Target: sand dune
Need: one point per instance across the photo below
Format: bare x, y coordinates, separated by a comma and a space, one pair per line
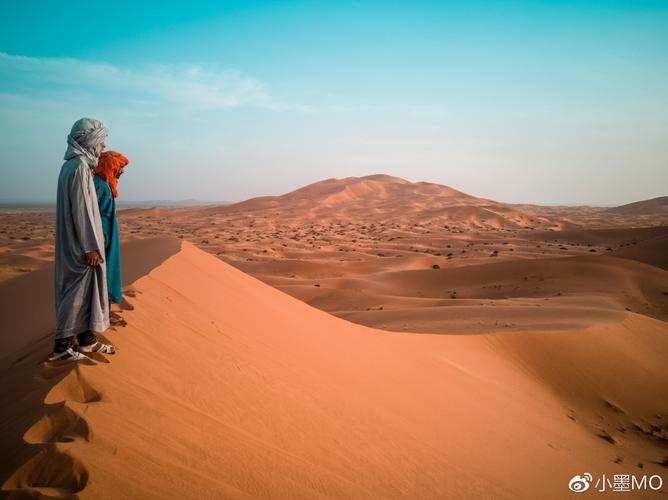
388, 198
644, 213
474, 349
242, 391
652, 251
653, 206
647, 244
518, 295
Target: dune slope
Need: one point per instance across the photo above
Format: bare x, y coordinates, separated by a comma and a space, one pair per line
224, 387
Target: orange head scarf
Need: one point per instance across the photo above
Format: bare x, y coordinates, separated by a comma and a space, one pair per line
108, 166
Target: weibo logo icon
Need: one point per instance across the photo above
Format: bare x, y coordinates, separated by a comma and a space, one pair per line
579, 483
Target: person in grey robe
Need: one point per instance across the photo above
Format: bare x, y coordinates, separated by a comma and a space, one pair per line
82, 306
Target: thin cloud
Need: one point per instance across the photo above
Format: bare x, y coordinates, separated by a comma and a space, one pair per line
191, 86
196, 87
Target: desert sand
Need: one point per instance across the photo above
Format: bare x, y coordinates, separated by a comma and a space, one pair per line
271, 352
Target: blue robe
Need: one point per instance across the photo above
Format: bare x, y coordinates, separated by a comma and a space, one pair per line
112, 247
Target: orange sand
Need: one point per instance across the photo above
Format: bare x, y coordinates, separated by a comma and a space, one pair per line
226, 387
356, 338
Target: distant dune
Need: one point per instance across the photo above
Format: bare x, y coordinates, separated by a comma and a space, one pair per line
389, 198
653, 206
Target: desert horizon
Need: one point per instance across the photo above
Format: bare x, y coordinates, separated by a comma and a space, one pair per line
189, 202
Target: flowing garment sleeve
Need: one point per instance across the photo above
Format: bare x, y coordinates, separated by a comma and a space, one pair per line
83, 207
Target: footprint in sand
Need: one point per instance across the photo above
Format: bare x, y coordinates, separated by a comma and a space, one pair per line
115, 317
125, 305
117, 320
55, 369
61, 425
74, 387
51, 472
131, 292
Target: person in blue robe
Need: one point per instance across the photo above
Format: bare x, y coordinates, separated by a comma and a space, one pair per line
110, 167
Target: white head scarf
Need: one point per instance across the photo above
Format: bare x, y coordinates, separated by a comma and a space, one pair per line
85, 140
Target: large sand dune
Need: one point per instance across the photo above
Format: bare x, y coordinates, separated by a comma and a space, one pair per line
383, 197
355, 338
224, 387
653, 206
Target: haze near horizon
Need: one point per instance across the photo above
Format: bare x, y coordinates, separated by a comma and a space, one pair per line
530, 102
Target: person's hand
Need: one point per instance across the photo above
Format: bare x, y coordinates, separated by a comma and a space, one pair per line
92, 259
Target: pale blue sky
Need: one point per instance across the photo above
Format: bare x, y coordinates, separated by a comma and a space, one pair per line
543, 102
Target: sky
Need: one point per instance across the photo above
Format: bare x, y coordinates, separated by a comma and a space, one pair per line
553, 102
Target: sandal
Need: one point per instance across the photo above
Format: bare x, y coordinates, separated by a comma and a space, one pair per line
68, 355
98, 347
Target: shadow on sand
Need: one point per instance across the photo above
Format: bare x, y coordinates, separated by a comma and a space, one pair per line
34, 462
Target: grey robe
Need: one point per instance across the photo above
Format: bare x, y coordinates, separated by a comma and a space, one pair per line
81, 290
